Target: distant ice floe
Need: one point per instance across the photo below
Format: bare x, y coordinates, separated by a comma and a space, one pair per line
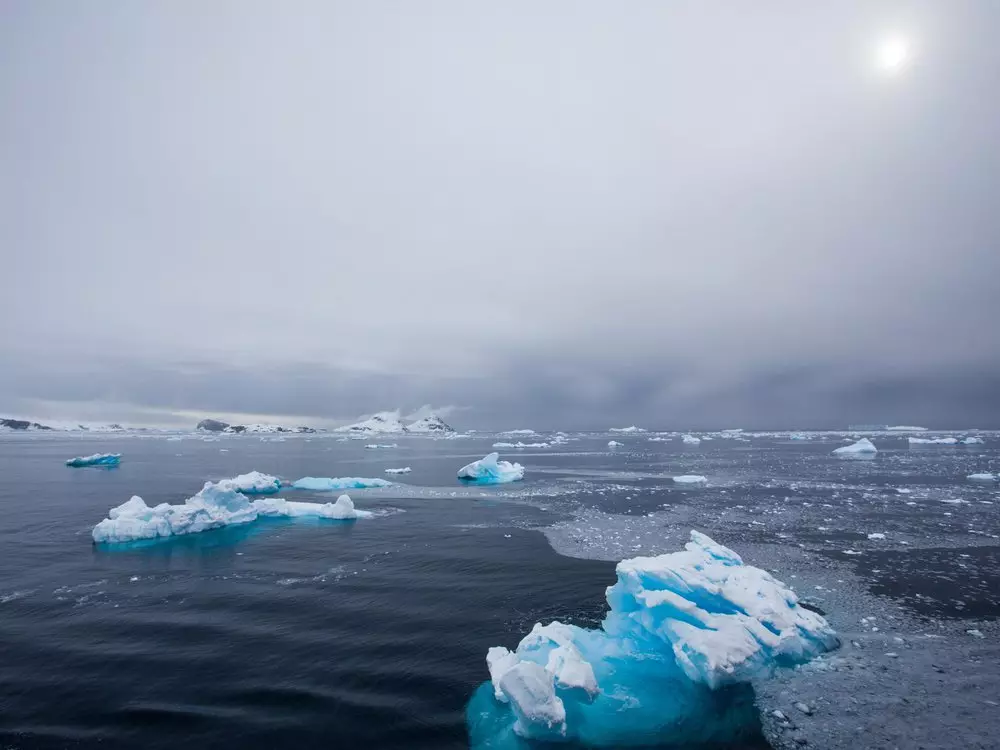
983, 477
691, 440
256, 483
615, 444
490, 470
519, 444
404, 470
375, 446
906, 428
932, 441
679, 627
658, 439
518, 432
631, 429
972, 440
691, 479
98, 459
334, 484
862, 446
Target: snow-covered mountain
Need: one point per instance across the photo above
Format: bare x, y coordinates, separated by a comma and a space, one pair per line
432, 423
383, 423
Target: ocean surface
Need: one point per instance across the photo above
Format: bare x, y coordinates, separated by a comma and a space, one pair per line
373, 633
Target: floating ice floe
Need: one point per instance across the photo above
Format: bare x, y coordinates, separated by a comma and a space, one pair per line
671, 664
658, 439
983, 477
404, 470
906, 428
631, 429
518, 432
381, 445
876, 536
519, 444
972, 440
334, 484
691, 440
615, 444
932, 441
256, 483
98, 459
691, 479
864, 445
277, 507
491, 470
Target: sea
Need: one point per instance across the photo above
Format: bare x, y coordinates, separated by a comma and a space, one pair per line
312, 633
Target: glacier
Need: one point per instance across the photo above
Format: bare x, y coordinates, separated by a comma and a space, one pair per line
333, 484
671, 664
864, 445
98, 459
256, 483
491, 470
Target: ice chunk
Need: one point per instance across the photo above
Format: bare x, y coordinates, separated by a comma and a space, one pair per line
972, 440
519, 444
906, 428
932, 441
985, 477
658, 439
691, 479
336, 484
633, 428
404, 470
876, 536
690, 440
671, 665
864, 445
342, 510
490, 470
256, 483
381, 445
518, 432
615, 444
98, 459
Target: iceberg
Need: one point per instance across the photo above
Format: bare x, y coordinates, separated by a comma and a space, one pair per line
691, 479
864, 445
381, 445
98, 459
519, 444
906, 428
684, 635
491, 470
518, 432
615, 444
932, 441
691, 440
334, 484
633, 428
658, 439
256, 483
983, 477
973, 441
404, 470
277, 507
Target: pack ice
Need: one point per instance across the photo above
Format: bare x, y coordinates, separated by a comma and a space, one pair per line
671, 664
98, 459
491, 470
864, 445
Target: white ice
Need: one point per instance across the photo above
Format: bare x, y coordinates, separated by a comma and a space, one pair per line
691, 479
615, 444
256, 483
341, 510
983, 477
691, 440
490, 470
864, 445
519, 444
633, 428
971, 440
381, 445
932, 441
404, 470
333, 484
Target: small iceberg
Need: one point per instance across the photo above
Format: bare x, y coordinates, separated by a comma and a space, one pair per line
973, 441
631, 429
381, 445
98, 459
983, 477
691, 440
615, 444
519, 444
491, 470
658, 440
256, 483
864, 445
932, 441
336, 484
342, 510
404, 470
671, 664
691, 479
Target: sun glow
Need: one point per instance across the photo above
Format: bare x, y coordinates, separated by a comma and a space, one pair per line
893, 54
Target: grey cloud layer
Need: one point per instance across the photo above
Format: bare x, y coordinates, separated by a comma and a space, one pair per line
567, 214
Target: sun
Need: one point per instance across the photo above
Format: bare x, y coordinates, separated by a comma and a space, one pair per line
893, 54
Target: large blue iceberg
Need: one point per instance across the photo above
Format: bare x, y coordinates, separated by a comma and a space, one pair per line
333, 484
98, 459
490, 470
671, 664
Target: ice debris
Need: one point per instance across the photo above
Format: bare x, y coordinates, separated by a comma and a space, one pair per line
691, 479
256, 483
490, 470
404, 470
671, 664
98, 459
334, 484
864, 445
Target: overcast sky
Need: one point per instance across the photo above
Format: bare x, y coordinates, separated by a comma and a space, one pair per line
559, 214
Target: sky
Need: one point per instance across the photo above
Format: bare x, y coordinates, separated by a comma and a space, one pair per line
567, 214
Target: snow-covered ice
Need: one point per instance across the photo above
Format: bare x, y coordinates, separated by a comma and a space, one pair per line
906, 428
491, 470
691, 479
334, 484
519, 444
864, 445
691, 440
983, 477
633, 428
932, 441
404, 470
679, 626
98, 459
342, 510
381, 445
615, 444
256, 483
972, 440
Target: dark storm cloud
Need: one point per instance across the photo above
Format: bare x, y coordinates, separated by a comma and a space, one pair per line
556, 215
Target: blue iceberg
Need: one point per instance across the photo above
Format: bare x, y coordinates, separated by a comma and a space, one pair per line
98, 459
333, 484
671, 664
490, 470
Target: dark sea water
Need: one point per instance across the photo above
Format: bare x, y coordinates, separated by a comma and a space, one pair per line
315, 633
